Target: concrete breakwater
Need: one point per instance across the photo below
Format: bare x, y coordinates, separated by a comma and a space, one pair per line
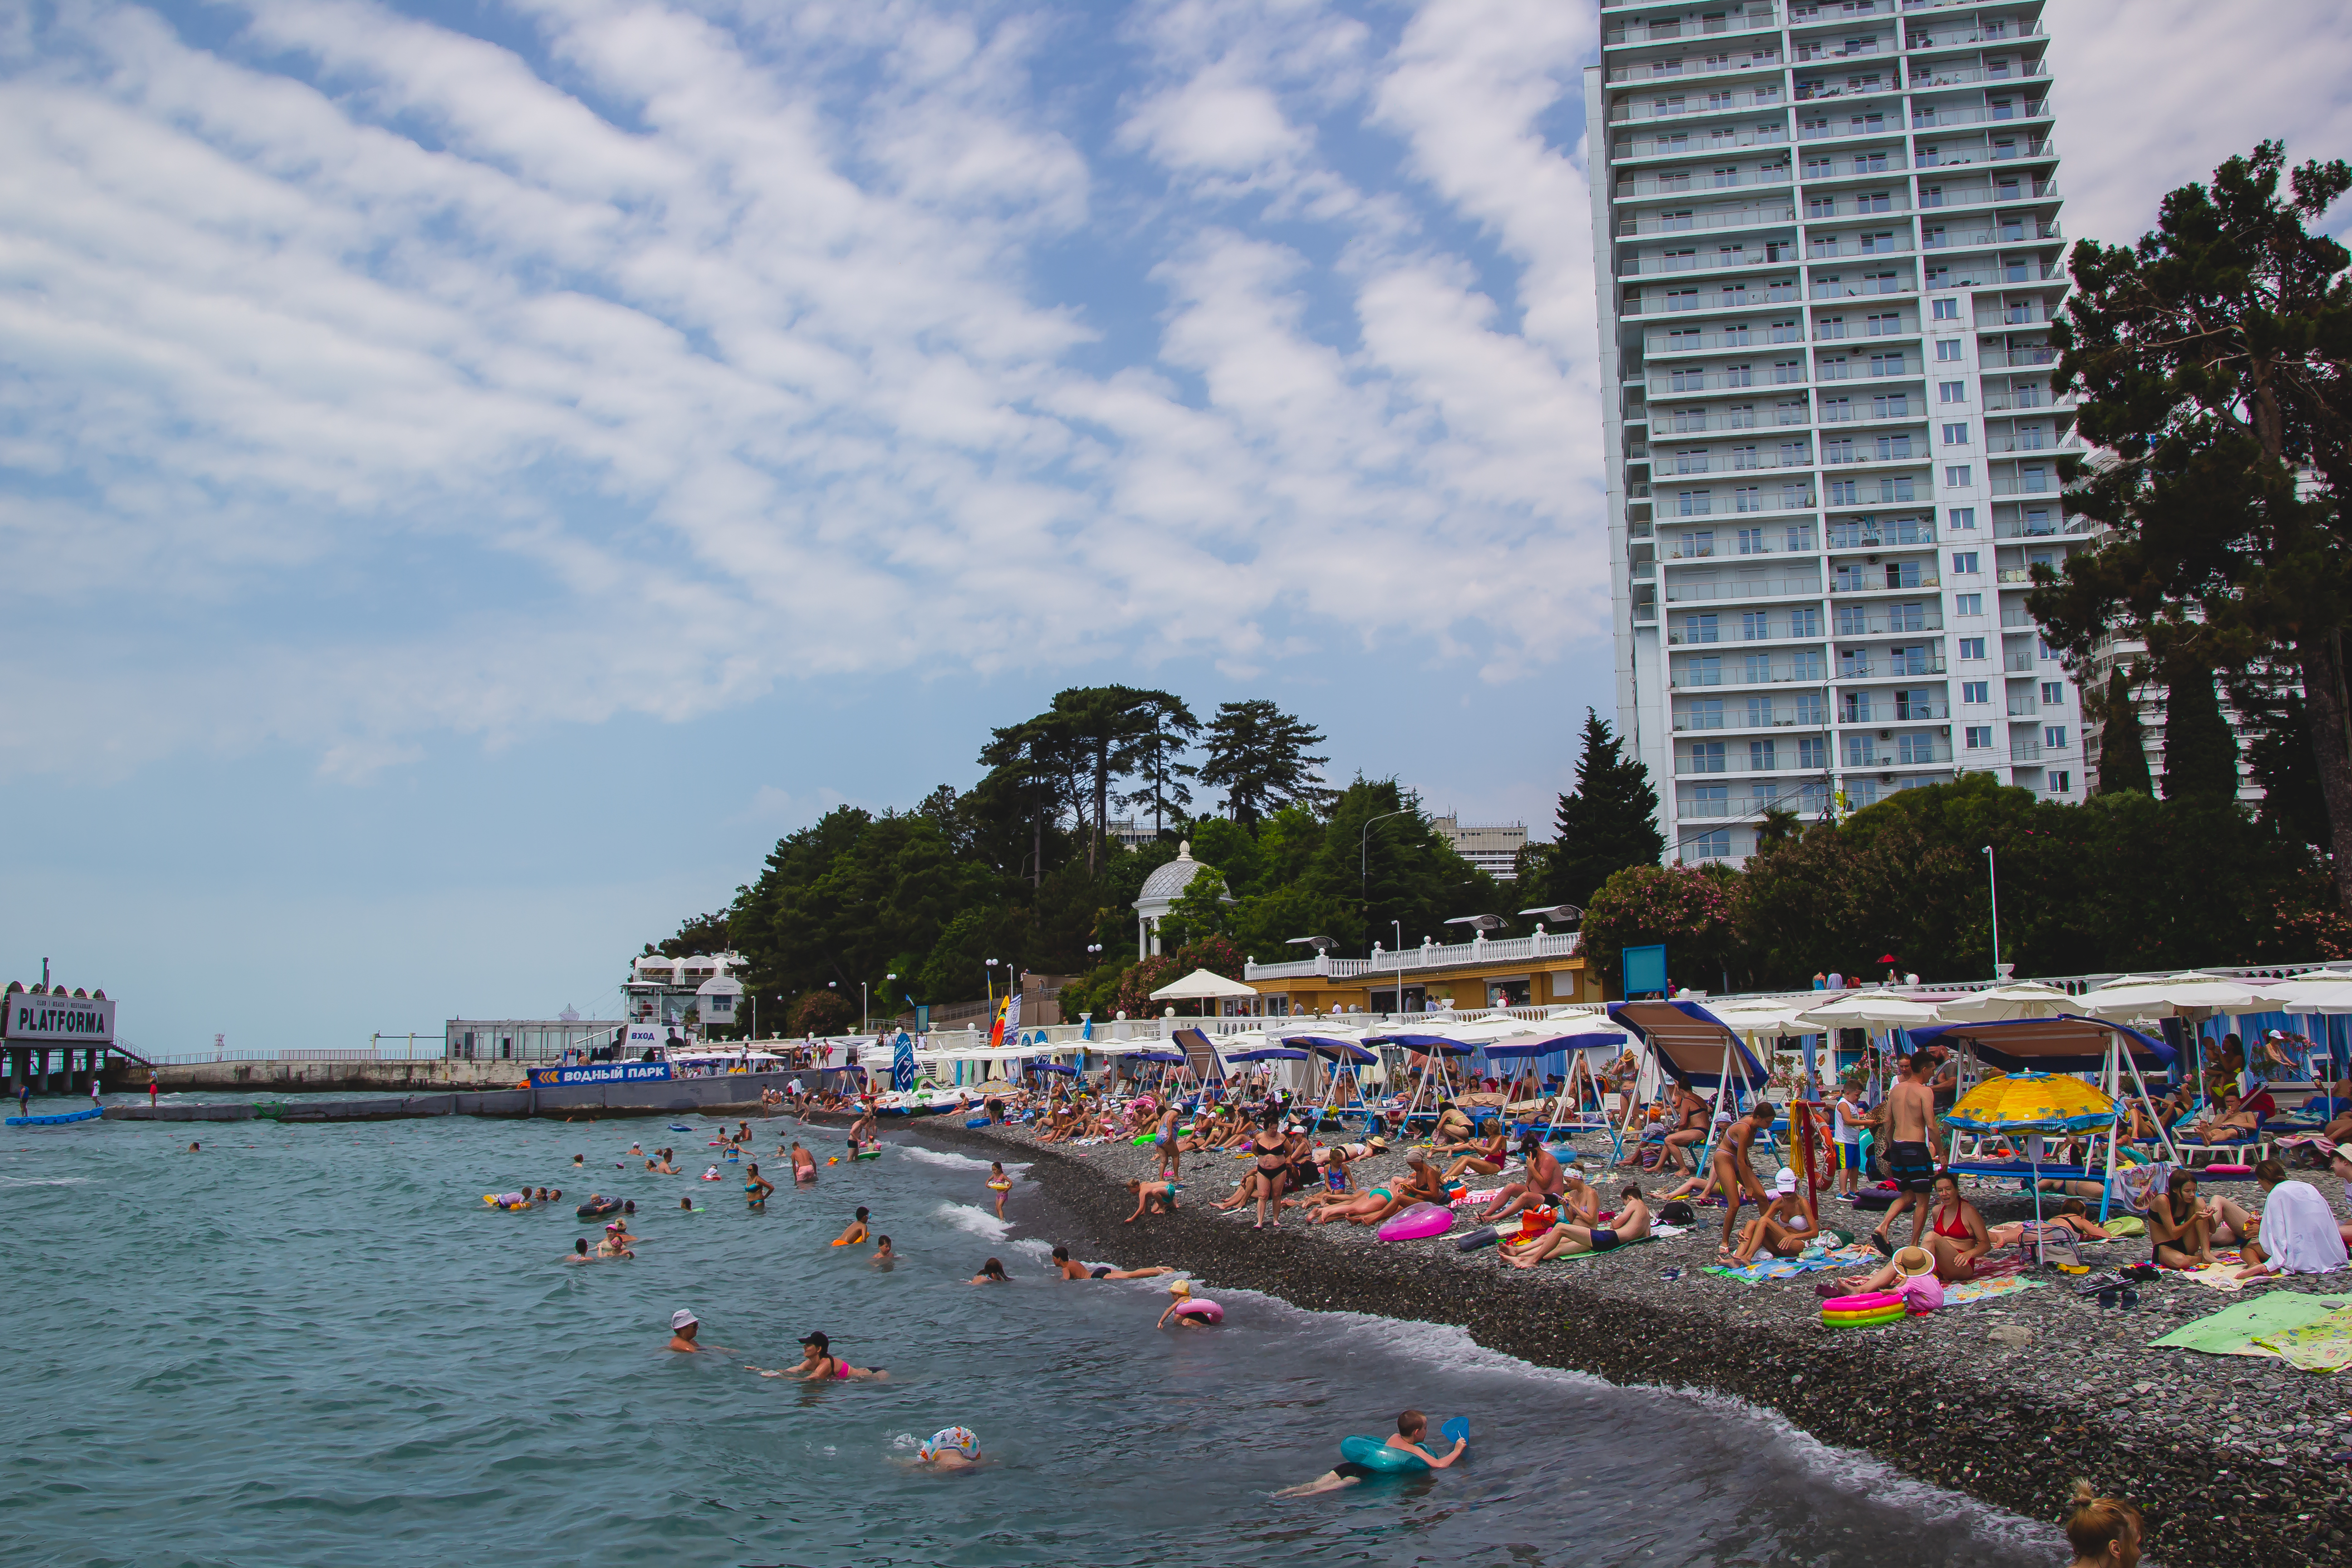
124, 1077
728, 1094
2008, 1408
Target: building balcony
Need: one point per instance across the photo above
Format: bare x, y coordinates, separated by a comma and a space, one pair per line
1908, 584
1898, 406
1976, 238
2026, 485
2032, 394
1892, 669
1744, 588
1634, 108
2061, 526
1701, 223
2036, 149
1763, 718
1835, 249
1738, 258
2012, 192
2015, 358
1734, 298
1792, 673
1886, 449
1676, 468
1887, 122
1989, 115
1923, 752
1926, 78
1960, 35
1682, 422
1683, 382
2022, 576
1858, 622
2017, 663
1862, 287
1833, 329
1694, 341
1886, 535
2008, 441
1624, 149
1694, 185
1661, 32
1684, 69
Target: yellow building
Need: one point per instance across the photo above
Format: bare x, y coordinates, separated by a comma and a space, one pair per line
1514, 971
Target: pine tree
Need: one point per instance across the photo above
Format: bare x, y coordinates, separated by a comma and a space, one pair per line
2200, 752
2122, 745
1609, 823
1258, 754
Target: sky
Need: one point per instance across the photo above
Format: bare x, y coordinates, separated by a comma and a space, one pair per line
473, 475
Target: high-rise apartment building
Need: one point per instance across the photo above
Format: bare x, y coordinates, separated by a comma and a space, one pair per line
1827, 256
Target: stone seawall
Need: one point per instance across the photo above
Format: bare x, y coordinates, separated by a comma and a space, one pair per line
316, 1078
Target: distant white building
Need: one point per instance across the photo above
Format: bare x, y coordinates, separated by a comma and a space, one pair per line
1160, 890
664, 988
1491, 846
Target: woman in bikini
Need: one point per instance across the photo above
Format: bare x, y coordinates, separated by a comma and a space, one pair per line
819, 1365
1690, 1127
1424, 1186
1957, 1234
1273, 1153
2179, 1227
1485, 1160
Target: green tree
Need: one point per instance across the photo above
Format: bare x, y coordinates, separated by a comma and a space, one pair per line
2123, 742
2200, 750
1690, 909
1611, 822
2210, 362
1779, 827
1158, 761
1259, 756
696, 934
2279, 756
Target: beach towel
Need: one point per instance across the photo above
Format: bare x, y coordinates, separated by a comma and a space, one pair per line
2323, 1345
1764, 1268
2233, 1329
1968, 1293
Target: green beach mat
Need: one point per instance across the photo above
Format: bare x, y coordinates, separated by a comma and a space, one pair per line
2232, 1330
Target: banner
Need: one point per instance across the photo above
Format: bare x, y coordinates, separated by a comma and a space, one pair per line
85, 1020
601, 1072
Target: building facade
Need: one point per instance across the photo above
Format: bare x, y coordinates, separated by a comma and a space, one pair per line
1827, 254
1491, 846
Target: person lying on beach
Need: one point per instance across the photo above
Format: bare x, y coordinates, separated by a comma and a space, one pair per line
991, 1273
1631, 1221
1072, 1269
1540, 1180
1422, 1185
2230, 1123
1783, 1226
1158, 1197
2074, 1215
1485, 1158
2177, 1226
855, 1234
819, 1365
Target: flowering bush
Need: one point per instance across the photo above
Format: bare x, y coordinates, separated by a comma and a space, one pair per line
1690, 909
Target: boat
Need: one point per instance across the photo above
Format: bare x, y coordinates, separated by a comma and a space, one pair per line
59, 1120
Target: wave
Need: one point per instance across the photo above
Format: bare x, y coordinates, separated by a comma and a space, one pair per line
950, 1161
978, 1221
43, 1180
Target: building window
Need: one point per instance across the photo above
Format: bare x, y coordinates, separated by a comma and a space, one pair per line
1947, 310
1962, 516
1706, 757
2053, 694
1755, 624
1979, 737
1805, 623
1956, 435
2062, 784
1707, 715
1714, 846
1694, 503
1975, 691
1812, 753
1948, 349
2053, 737
1955, 477
1972, 647
1951, 392
1968, 604
1699, 628
1759, 756
1964, 563
1748, 498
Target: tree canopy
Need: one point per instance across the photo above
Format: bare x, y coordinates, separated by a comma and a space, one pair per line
1608, 823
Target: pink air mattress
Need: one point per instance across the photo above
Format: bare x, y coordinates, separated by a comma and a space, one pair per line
1419, 1220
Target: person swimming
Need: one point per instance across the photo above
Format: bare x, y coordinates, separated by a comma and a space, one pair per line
579, 1253
882, 1253
999, 1183
1074, 1270
1190, 1311
991, 1273
819, 1365
855, 1234
950, 1449
683, 1327
1411, 1428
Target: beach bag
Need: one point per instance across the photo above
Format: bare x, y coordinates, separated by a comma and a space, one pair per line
1678, 1213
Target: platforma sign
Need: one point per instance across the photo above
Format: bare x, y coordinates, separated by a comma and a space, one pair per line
85, 1020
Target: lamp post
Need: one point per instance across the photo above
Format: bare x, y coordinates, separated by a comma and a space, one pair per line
1992, 879
1363, 849
1397, 929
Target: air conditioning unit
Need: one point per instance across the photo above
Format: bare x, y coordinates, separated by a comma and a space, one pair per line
1886, 735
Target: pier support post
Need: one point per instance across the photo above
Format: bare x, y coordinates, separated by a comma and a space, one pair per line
17, 1067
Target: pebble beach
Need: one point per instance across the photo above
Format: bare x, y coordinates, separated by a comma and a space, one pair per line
2232, 1458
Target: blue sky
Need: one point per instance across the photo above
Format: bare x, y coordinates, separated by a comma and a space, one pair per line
474, 476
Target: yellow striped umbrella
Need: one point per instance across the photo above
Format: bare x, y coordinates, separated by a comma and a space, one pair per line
2033, 1102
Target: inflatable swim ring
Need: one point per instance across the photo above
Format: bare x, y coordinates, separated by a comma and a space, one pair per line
1375, 1454
1873, 1301
711, 1174
1000, 1187
598, 1211
1419, 1220
1861, 1319
1207, 1312
679, 1127
874, 1153
506, 1200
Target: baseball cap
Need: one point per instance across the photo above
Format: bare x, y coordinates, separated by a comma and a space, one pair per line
682, 1318
1787, 1180
819, 1340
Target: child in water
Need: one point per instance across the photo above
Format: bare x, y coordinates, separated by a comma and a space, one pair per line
999, 1183
855, 1234
882, 1255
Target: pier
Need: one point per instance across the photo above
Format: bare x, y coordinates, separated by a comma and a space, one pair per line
727, 1094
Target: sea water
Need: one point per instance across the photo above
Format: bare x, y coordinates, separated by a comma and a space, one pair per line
317, 1344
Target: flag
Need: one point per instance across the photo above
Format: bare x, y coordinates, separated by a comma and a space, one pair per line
1013, 1018
1086, 1029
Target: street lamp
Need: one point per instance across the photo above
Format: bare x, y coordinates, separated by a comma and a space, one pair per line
1363, 847
1992, 879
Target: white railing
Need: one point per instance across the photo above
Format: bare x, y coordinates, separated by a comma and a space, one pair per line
1429, 955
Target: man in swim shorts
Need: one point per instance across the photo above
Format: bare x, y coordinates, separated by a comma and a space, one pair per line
804, 1163
1071, 1270
1909, 1106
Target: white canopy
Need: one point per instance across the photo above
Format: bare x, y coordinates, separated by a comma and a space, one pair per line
1877, 1008
1201, 986
1763, 1017
2183, 995
2322, 991
2019, 999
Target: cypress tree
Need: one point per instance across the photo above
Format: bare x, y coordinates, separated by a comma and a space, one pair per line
2200, 752
2123, 755
1609, 823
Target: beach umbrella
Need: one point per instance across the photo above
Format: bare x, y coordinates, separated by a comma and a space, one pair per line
2322, 991
1998, 1004
2033, 1102
1878, 1008
2190, 995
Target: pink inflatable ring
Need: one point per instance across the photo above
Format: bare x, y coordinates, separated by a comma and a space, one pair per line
1419, 1220
1207, 1312
1874, 1301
